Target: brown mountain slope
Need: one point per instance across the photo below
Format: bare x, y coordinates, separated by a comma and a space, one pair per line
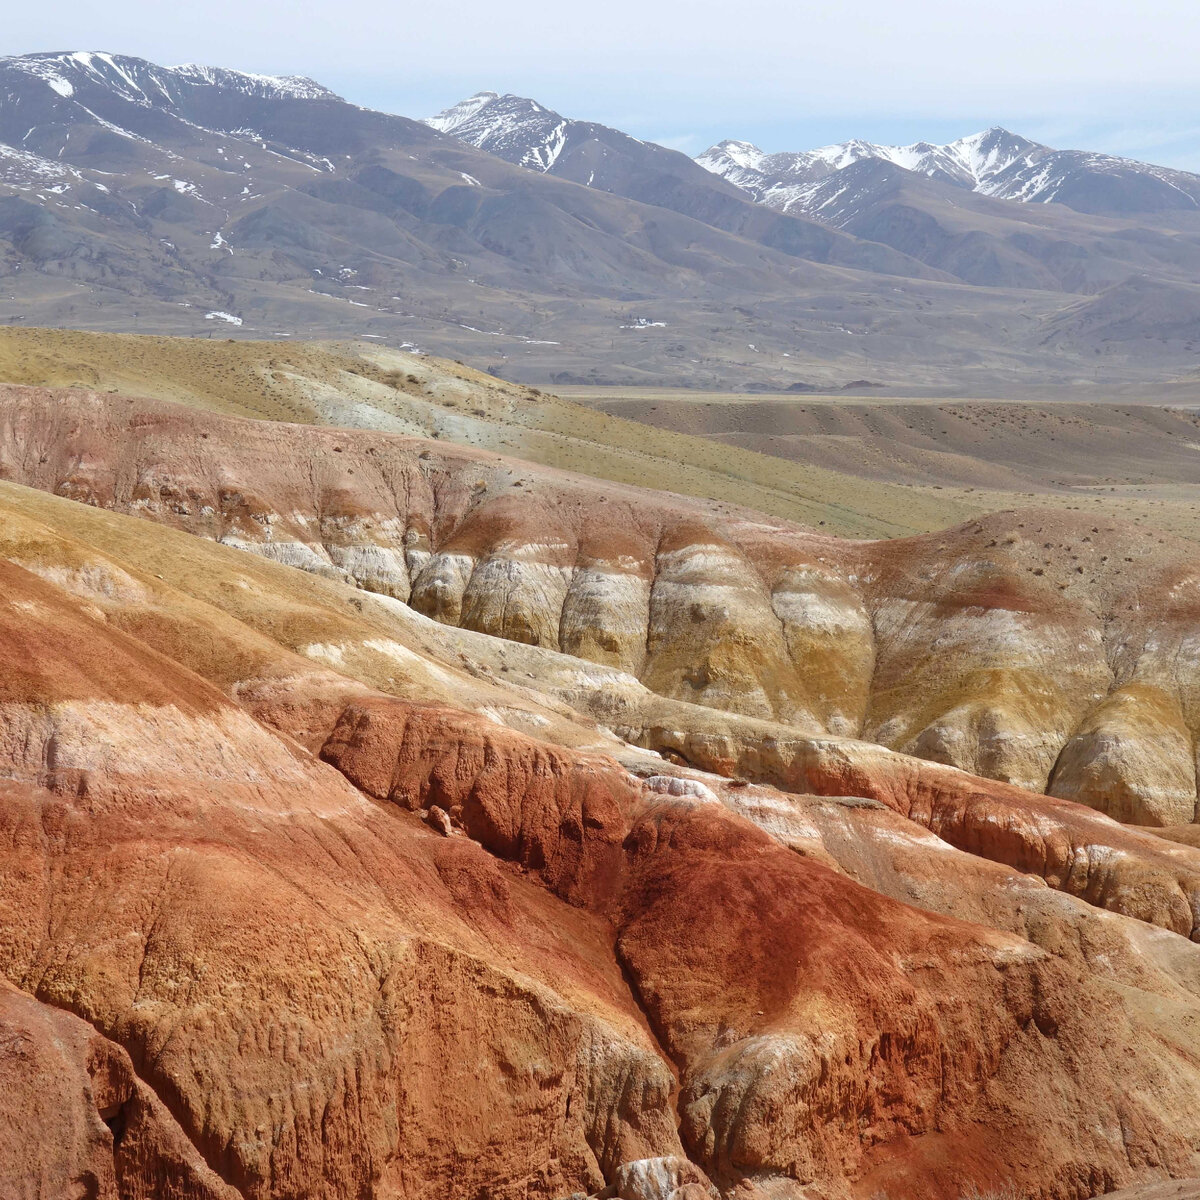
598, 981
198, 200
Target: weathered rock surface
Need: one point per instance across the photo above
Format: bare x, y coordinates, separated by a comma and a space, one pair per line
1033, 648
79, 1122
330, 999
772, 960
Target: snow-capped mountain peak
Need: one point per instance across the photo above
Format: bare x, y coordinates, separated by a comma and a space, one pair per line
987, 153
512, 127
450, 119
291, 87
745, 155
145, 83
969, 161
994, 162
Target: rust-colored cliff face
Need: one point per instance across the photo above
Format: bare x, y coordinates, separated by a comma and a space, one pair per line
303, 894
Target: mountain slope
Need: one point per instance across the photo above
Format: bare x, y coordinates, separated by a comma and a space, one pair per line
525, 133
189, 199
995, 243
109, 111
194, 200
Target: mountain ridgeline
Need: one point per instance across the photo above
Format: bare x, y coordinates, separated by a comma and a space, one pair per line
548, 250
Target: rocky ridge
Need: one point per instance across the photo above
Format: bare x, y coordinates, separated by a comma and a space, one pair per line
994, 162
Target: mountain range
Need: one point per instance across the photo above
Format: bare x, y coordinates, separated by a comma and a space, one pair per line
194, 199
993, 163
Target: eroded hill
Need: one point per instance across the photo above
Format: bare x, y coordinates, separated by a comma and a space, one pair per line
367, 387
1032, 647
292, 906
384, 815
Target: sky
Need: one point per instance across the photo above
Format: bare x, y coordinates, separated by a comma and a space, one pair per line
1112, 75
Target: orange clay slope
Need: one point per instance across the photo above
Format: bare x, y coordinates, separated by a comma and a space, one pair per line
1032, 647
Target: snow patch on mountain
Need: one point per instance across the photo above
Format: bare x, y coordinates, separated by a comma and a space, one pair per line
459, 114
513, 127
26, 171
288, 87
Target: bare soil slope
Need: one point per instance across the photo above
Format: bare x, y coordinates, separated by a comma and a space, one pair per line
249, 964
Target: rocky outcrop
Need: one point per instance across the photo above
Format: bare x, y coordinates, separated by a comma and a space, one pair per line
805, 1024
1034, 648
560, 816
621, 978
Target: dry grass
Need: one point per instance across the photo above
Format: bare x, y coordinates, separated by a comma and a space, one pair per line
346, 384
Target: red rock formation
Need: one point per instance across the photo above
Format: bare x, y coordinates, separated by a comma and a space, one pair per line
559, 815
232, 933
326, 995
816, 1026
1034, 648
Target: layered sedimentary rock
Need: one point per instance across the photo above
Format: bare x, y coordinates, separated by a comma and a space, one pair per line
310, 986
241, 935
1033, 648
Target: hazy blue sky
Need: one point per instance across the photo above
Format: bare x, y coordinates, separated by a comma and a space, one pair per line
1106, 74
